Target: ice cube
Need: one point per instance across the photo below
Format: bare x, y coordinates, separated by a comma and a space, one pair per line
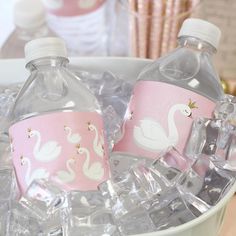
8, 184
112, 122
20, 223
150, 181
205, 182
46, 202
84, 204
120, 163
170, 165
170, 210
226, 109
5, 206
89, 213
137, 221
7, 99
122, 194
215, 138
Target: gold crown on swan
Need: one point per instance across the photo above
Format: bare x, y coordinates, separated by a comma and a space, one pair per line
191, 104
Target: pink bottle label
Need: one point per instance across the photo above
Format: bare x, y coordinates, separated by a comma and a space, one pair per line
67, 147
72, 7
160, 116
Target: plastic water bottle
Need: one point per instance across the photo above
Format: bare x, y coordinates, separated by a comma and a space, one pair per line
82, 24
56, 124
30, 22
170, 93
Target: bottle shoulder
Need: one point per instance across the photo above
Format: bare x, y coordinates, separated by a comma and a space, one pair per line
189, 69
52, 91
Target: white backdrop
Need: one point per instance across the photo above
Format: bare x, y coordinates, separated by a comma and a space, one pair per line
6, 19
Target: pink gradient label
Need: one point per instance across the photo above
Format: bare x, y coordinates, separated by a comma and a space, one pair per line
72, 7
160, 116
67, 147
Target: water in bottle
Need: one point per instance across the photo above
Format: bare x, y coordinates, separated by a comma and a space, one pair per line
56, 125
170, 93
83, 24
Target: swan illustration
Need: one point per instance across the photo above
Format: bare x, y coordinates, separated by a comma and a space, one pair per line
98, 143
37, 174
95, 171
46, 153
151, 136
72, 138
67, 176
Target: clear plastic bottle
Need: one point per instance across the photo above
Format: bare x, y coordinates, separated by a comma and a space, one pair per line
170, 93
56, 123
30, 22
83, 24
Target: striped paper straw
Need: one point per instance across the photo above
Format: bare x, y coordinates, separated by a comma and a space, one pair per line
133, 27
177, 9
143, 26
157, 10
167, 26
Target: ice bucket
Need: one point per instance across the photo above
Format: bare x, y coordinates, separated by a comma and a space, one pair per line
208, 224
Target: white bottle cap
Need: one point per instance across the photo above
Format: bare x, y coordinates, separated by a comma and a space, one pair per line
45, 47
29, 13
201, 29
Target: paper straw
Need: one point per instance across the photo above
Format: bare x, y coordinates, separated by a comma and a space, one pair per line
193, 4
143, 27
155, 40
133, 27
185, 11
177, 9
167, 26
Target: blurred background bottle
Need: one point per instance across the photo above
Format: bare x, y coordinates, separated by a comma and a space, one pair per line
30, 23
83, 24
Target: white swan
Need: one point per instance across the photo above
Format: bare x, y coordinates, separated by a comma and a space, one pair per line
46, 153
151, 136
98, 143
95, 171
66, 176
37, 174
72, 138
